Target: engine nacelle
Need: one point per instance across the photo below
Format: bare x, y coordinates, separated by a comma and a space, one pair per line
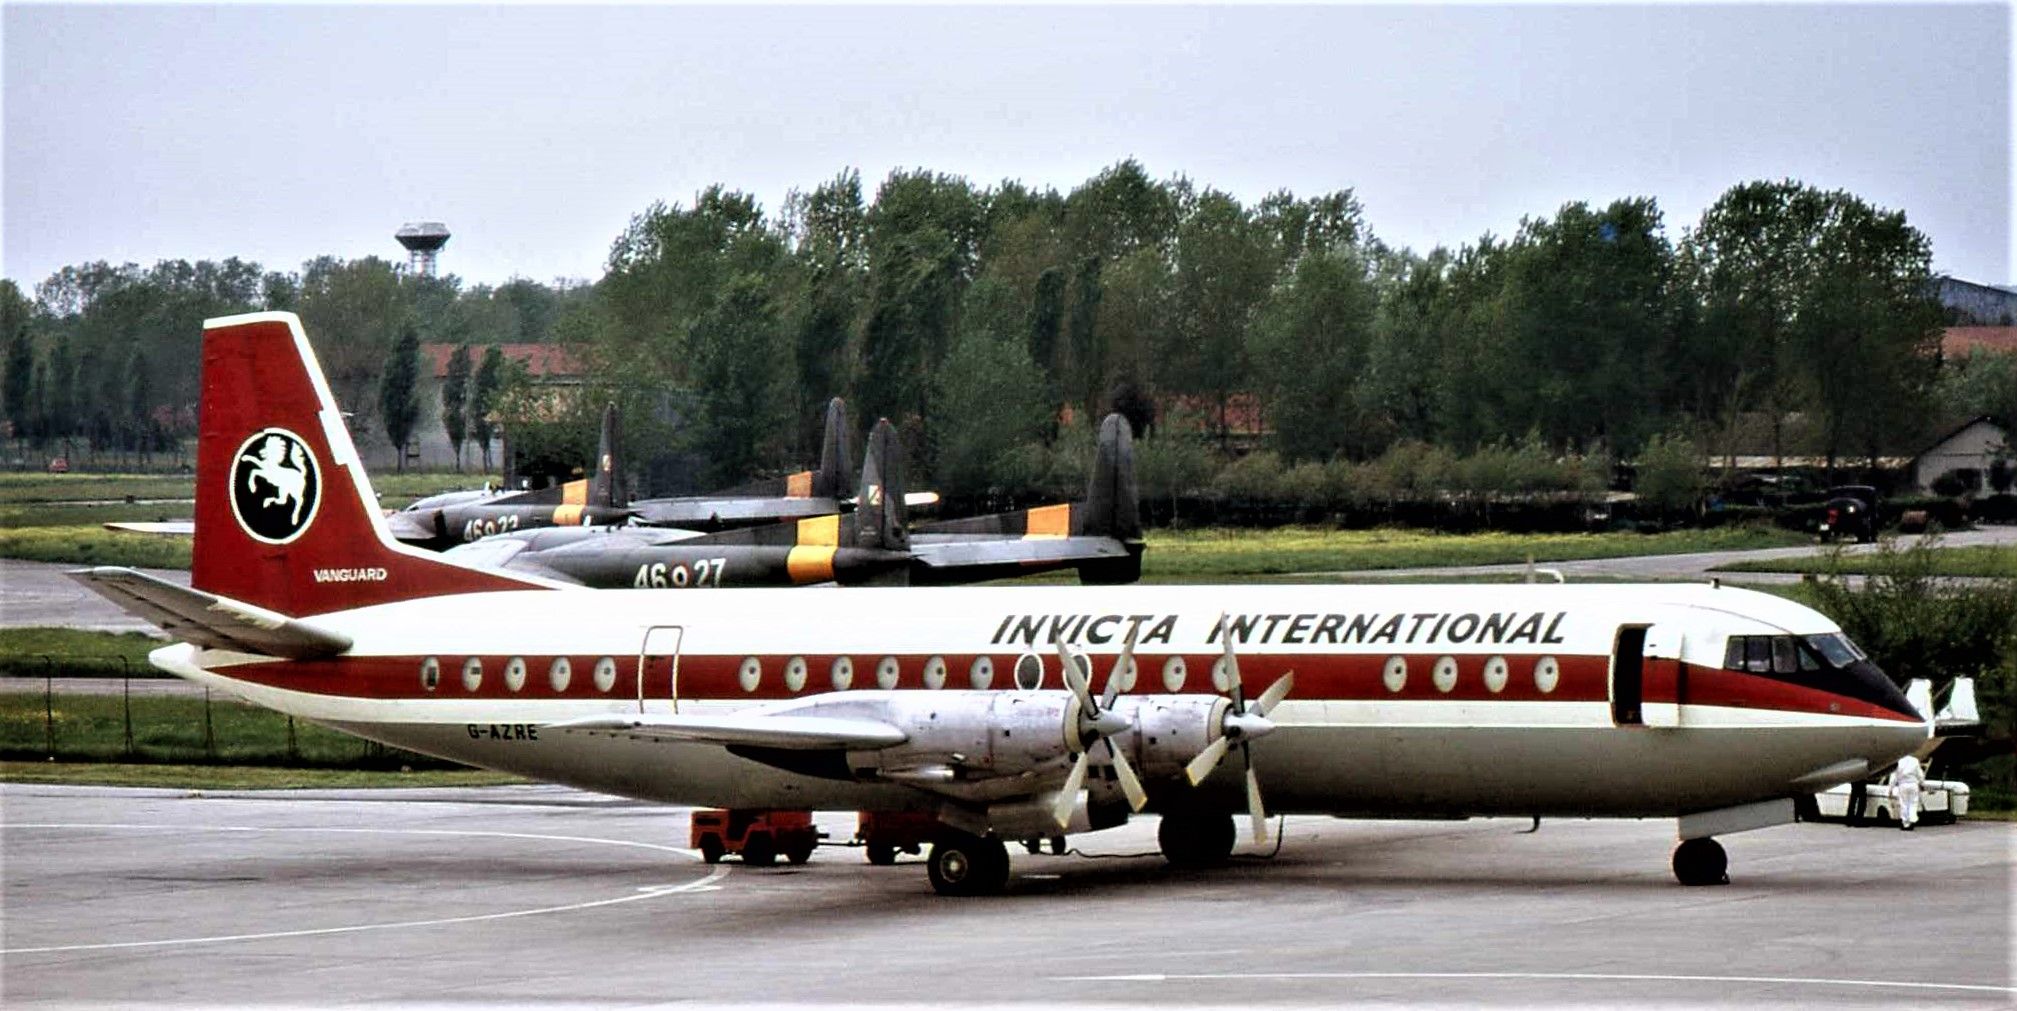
1169, 730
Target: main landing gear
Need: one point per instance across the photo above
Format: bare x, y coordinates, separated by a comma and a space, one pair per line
963, 864
1196, 840
1701, 862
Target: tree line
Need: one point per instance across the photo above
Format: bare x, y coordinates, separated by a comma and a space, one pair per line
989, 321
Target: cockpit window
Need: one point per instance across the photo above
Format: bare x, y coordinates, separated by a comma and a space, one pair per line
1835, 648
1758, 654
1786, 654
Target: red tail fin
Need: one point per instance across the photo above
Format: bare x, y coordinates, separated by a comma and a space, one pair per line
285, 516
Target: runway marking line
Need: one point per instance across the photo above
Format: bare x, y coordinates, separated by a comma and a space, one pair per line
644, 892
1583, 976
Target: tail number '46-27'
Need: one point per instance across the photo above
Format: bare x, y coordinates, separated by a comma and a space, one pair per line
703, 572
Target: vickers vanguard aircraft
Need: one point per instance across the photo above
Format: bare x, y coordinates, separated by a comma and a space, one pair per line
1711, 705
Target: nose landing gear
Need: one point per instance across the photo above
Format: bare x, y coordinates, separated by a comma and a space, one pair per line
1701, 862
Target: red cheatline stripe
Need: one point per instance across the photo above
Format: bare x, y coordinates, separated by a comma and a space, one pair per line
1346, 678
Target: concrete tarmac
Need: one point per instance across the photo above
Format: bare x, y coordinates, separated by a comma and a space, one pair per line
540, 895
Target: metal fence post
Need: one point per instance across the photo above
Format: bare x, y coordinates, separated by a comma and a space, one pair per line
209, 736
126, 700
49, 705
292, 753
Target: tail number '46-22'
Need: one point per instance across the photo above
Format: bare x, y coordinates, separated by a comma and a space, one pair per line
703, 572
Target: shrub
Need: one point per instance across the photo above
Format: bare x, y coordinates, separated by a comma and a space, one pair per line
1670, 475
1255, 477
1917, 625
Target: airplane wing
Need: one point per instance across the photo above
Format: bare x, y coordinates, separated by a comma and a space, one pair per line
715, 512
801, 733
208, 620
953, 552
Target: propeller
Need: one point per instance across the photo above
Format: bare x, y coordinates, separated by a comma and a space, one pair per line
1240, 725
1097, 723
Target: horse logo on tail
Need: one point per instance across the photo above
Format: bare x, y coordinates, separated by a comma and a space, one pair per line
274, 486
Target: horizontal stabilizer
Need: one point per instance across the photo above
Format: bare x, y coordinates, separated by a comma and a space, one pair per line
805, 733
208, 620
160, 528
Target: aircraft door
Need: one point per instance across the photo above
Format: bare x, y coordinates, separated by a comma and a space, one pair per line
658, 665
1663, 680
1628, 676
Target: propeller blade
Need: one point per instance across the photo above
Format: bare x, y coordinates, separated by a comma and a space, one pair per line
1274, 695
1130, 784
1232, 664
1068, 796
1207, 760
1255, 811
1075, 678
1122, 664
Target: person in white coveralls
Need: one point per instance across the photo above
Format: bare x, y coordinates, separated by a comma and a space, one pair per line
1906, 786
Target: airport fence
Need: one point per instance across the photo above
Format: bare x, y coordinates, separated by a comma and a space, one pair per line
121, 717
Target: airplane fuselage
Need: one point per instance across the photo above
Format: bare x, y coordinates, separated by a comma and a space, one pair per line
1408, 700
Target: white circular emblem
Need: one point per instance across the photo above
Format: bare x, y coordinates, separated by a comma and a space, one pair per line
275, 486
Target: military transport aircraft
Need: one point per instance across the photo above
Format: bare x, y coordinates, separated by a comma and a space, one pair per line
451, 518
799, 495
872, 545
1712, 705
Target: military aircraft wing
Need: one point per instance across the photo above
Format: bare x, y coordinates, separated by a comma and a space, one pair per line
208, 620
951, 552
712, 512
791, 732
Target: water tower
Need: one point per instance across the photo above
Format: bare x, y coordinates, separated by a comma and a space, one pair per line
422, 240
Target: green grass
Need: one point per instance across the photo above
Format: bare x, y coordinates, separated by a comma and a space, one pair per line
39, 521
90, 727
37, 487
240, 777
75, 652
19, 488
94, 545
1183, 555
1978, 560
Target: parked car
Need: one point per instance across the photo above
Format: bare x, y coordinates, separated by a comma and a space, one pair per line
1850, 512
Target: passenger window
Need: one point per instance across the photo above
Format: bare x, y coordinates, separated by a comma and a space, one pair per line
1733, 654
1785, 655
1029, 672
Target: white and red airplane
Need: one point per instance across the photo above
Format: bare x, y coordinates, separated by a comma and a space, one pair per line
1712, 705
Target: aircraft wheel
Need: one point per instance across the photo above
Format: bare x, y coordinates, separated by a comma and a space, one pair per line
759, 851
961, 864
1196, 840
710, 850
1701, 862
881, 854
1058, 846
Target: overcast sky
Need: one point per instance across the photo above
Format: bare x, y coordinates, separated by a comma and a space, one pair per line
281, 133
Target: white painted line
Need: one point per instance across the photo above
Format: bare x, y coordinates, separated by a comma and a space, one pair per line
1583, 976
645, 892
